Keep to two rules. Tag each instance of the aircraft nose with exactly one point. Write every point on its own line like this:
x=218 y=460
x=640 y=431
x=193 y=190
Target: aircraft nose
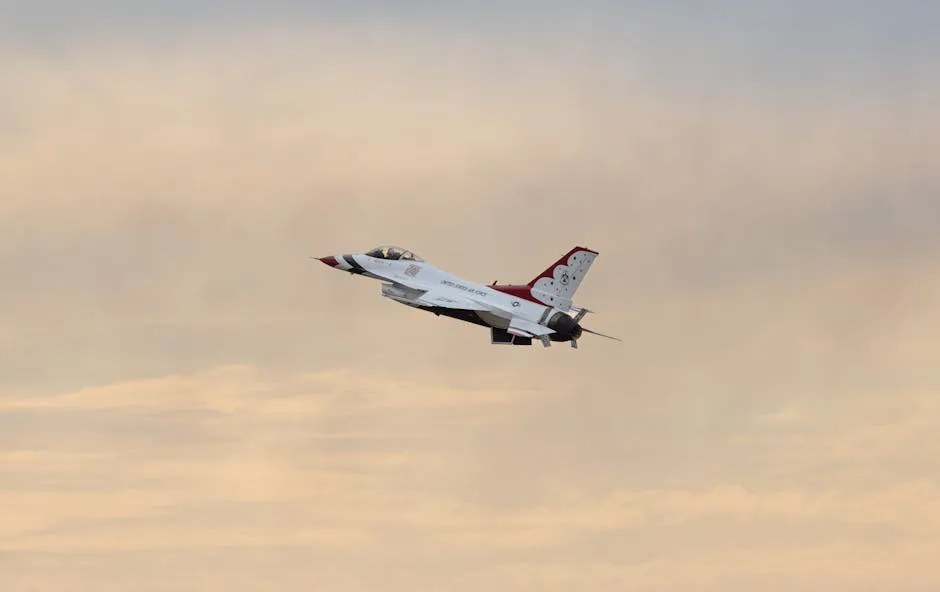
x=329 y=260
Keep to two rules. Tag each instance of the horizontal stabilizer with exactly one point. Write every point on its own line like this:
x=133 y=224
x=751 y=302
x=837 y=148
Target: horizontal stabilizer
x=524 y=328
x=580 y=312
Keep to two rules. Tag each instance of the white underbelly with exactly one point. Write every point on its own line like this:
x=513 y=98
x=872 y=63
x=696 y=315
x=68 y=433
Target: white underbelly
x=493 y=320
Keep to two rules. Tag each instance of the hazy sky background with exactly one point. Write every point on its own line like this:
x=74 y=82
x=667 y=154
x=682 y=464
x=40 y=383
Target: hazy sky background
x=187 y=402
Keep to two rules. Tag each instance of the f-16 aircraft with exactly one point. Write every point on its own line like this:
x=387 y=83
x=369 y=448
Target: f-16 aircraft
x=515 y=313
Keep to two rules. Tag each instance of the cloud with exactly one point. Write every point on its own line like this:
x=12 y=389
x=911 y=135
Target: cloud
x=687 y=42
x=229 y=438
x=299 y=113
x=337 y=466
x=157 y=199
x=183 y=392
x=817 y=567
x=245 y=389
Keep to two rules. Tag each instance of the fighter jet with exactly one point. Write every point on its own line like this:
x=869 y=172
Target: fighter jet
x=514 y=313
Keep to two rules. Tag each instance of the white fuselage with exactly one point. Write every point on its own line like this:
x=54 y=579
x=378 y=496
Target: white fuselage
x=424 y=276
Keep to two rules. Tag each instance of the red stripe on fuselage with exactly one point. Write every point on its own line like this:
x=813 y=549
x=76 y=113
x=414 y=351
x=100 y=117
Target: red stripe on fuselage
x=518 y=291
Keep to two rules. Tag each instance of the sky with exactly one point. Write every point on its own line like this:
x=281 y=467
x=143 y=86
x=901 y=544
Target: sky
x=187 y=401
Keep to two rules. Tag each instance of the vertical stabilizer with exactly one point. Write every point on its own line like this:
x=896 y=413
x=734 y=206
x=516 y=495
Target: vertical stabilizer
x=556 y=285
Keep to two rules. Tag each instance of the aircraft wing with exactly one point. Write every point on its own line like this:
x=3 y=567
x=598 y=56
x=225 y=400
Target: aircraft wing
x=524 y=328
x=433 y=297
x=517 y=326
x=447 y=299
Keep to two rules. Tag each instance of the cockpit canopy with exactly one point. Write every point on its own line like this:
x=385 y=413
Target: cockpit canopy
x=393 y=253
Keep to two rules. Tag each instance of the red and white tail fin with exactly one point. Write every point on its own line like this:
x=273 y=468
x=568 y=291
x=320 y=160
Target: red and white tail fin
x=556 y=285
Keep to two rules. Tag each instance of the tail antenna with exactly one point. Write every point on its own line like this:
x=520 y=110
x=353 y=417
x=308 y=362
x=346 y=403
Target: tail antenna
x=586 y=330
